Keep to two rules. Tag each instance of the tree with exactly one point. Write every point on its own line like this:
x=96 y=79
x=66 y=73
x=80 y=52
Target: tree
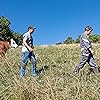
x=17 y=37
x=69 y=40
x=95 y=38
x=5 y=32
x=77 y=40
x=58 y=43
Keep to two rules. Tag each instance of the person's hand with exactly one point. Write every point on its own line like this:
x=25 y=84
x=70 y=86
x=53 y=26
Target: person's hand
x=30 y=49
x=92 y=52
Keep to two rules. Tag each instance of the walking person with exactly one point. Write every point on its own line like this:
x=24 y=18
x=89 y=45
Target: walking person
x=86 y=52
x=27 y=52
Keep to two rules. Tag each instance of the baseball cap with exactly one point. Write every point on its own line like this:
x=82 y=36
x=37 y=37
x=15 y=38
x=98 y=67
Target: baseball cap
x=87 y=28
x=31 y=27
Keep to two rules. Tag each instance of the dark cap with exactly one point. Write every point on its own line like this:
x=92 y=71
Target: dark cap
x=87 y=28
x=31 y=27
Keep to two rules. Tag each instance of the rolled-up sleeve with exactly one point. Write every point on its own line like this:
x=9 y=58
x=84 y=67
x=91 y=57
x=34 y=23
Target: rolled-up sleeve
x=25 y=36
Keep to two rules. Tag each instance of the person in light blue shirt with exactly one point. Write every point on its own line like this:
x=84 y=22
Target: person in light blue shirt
x=86 y=52
x=27 y=52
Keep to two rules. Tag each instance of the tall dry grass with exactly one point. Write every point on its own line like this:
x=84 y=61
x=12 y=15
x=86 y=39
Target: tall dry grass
x=55 y=80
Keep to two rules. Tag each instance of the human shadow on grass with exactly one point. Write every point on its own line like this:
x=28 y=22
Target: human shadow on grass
x=43 y=69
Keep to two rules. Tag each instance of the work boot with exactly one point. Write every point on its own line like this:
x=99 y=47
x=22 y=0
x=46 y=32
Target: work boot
x=33 y=71
x=93 y=70
x=76 y=70
x=22 y=71
x=98 y=69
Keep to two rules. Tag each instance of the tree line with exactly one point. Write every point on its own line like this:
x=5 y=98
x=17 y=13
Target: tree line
x=94 y=38
x=6 y=34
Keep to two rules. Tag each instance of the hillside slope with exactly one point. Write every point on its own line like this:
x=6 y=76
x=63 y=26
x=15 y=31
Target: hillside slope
x=55 y=80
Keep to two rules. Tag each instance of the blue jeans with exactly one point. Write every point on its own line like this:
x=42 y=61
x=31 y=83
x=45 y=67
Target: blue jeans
x=25 y=57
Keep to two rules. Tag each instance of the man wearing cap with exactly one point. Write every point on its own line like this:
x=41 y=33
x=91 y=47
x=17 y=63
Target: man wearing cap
x=27 y=52
x=86 y=52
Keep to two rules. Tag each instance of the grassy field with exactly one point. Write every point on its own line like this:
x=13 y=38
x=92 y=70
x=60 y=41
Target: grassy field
x=55 y=80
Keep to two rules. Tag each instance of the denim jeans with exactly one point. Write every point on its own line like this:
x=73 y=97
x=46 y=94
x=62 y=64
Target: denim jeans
x=25 y=57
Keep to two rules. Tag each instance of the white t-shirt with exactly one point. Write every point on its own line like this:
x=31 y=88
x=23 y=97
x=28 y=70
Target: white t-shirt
x=29 y=41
